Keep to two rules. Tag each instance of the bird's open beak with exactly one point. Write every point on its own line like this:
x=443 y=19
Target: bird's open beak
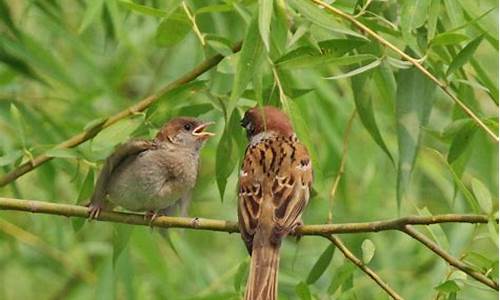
x=200 y=133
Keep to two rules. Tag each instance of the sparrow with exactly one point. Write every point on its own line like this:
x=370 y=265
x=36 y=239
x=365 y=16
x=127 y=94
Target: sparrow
x=152 y=175
x=274 y=187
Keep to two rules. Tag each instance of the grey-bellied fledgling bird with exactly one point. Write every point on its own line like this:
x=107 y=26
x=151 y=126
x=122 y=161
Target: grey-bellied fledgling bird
x=152 y=175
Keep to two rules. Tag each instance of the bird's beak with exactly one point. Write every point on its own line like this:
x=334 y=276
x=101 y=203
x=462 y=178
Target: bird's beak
x=199 y=132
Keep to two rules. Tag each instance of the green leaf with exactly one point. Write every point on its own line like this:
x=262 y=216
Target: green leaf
x=143 y=9
x=413 y=15
x=302 y=290
x=87 y=187
x=448 y=38
x=308 y=61
x=10 y=157
x=6 y=17
x=172 y=29
x=220 y=44
x=321 y=264
x=322 y=18
x=454 y=11
x=449 y=286
x=240 y=275
x=340 y=277
x=94 y=9
x=479 y=261
x=464 y=56
x=18 y=123
x=116 y=134
x=61 y=153
x=121 y=236
x=357 y=71
x=385 y=82
x=265 y=14
x=461 y=140
x=436 y=231
x=250 y=57
x=482 y=195
x=368 y=249
x=105 y=286
x=432 y=19
x=414 y=99
x=224 y=160
x=361 y=89
x=493 y=231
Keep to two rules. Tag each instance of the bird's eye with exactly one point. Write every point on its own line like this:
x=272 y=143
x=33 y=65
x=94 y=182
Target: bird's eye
x=187 y=126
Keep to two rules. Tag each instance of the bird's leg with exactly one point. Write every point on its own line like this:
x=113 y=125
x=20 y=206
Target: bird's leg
x=95 y=209
x=296 y=225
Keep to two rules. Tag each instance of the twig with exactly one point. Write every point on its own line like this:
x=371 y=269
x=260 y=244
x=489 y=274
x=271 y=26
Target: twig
x=192 y=18
x=69 y=210
x=450 y=259
x=350 y=256
x=138 y=107
x=345 y=146
x=412 y=60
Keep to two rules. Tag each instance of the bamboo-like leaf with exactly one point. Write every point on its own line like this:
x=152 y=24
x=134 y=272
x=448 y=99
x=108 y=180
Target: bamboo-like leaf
x=172 y=29
x=93 y=10
x=482 y=195
x=302 y=290
x=364 y=107
x=308 y=61
x=368 y=250
x=357 y=71
x=143 y=9
x=414 y=100
x=340 y=277
x=448 y=38
x=464 y=56
x=321 y=264
x=265 y=14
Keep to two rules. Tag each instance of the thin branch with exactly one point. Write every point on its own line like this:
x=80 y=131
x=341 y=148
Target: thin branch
x=134 y=109
x=350 y=256
x=192 y=18
x=412 y=60
x=447 y=257
x=345 y=146
x=69 y=210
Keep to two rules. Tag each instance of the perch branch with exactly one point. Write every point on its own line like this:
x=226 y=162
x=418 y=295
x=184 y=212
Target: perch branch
x=350 y=256
x=409 y=230
x=412 y=60
x=69 y=210
x=138 y=107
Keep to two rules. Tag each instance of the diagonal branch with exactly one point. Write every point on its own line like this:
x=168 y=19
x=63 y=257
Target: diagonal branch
x=138 y=107
x=350 y=256
x=69 y=210
x=409 y=230
x=412 y=60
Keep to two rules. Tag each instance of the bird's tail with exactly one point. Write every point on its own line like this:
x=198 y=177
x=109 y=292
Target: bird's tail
x=262 y=281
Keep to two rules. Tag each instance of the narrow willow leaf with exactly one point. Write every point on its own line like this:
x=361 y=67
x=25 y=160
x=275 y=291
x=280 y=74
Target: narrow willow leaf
x=265 y=14
x=322 y=18
x=414 y=100
x=250 y=57
x=368 y=250
x=302 y=290
x=482 y=195
x=18 y=123
x=92 y=11
x=461 y=141
x=364 y=107
x=219 y=44
x=436 y=231
x=173 y=29
x=485 y=80
x=449 y=286
x=143 y=9
x=308 y=61
x=464 y=56
x=340 y=276
x=10 y=157
x=434 y=11
x=121 y=236
x=413 y=15
x=105 y=286
x=479 y=261
x=357 y=71
x=87 y=187
x=6 y=17
x=385 y=82
x=448 y=38
x=493 y=231
x=61 y=153
x=455 y=12
x=216 y=8
x=321 y=264
x=240 y=275
x=399 y=64
x=224 y=159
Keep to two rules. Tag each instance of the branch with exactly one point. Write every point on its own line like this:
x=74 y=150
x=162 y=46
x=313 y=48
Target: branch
x=450 y=259
x=412 y=60
x=69 y=210
x=138 y=107
x=350 y=256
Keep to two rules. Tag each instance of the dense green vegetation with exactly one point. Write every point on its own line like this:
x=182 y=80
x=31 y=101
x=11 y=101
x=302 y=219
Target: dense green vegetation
x=65 y=66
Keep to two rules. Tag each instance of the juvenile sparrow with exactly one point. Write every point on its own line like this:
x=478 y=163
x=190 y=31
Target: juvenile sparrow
x=274 y=185
x=152 y=175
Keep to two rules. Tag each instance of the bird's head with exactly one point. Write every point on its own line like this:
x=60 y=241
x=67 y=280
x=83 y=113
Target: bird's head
x=266 y=119
x=185 y=131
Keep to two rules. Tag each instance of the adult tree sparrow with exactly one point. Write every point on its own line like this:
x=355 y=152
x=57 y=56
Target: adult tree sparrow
x=274 y=185
x=152 y=175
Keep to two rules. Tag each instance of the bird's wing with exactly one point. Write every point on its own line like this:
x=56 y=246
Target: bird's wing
x=124 y=151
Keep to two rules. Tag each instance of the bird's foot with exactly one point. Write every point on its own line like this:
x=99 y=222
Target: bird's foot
x=95 y=209
x=151 y=215
x=195 y=222
x=294 y=229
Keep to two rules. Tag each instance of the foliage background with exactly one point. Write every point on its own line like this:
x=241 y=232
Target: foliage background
x=65 y=65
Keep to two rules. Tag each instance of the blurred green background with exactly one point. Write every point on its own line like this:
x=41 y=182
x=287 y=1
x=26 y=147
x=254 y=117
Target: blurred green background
x=66 y=65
